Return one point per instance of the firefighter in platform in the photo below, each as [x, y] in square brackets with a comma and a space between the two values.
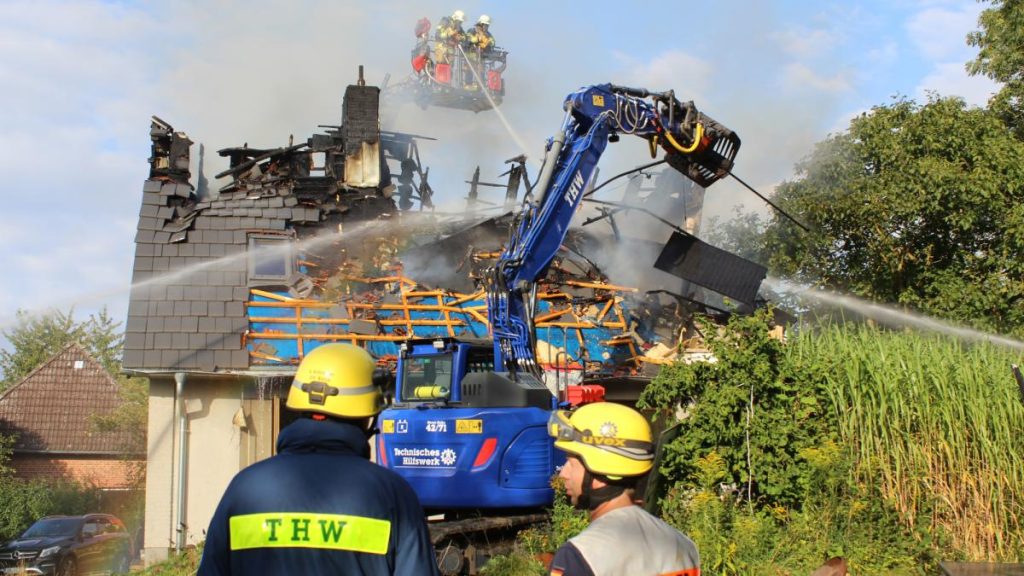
[449, 38]
[421, 53]
[480, 43]
[609, 449]
[320, 506]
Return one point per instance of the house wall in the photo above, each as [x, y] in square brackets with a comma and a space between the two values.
[213, 448]
[105, 473]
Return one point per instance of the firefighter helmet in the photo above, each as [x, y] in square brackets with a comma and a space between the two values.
[458, 16]
[610, 439]
[484, 20]
[336, 380]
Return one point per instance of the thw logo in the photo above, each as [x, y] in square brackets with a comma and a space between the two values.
[575, 188]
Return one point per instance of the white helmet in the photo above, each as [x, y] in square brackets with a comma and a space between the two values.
[484, 19]
[458, 16]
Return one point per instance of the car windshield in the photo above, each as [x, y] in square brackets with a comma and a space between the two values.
[53, 527]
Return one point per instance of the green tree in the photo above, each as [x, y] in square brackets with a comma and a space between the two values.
[914, 204]
[754, 407]
[6, 451]
[742, 234]
[131, 417]
[36, 338]
[1000, 45]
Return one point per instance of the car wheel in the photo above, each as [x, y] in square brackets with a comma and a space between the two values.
[67, 567]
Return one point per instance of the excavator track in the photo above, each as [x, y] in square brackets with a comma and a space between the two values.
[464, 545]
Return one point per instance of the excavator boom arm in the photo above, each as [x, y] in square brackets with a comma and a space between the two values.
[695, 144]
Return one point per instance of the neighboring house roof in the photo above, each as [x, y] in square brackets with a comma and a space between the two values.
[51, 409]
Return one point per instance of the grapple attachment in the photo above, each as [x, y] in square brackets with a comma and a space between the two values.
[713, 156]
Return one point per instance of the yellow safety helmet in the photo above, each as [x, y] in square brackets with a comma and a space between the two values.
[610, 439]
[458, 16]
[336, 380]
[484, 20]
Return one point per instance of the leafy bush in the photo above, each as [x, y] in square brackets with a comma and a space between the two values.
[22, 502]
[755, 406]
[891, 449]
[535, 546]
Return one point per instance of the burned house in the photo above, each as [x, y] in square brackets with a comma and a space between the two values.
[333, 239]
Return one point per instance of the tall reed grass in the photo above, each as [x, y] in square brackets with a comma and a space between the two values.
[936, 426]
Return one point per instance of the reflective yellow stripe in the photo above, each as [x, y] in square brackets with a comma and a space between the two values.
[308, 530]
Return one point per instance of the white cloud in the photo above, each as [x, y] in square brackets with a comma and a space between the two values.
[885, 55]
[800, 75]
[939, 33]
[805, 43]
[950, 79]
[672, 69]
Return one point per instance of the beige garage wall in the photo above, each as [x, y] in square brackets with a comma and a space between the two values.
[213, 457]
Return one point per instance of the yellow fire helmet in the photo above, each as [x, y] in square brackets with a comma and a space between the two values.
[336, 380]
[611, 439]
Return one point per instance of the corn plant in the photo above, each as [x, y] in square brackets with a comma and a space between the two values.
[936, 426]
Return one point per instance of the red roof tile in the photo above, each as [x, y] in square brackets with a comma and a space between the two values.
[51, 409]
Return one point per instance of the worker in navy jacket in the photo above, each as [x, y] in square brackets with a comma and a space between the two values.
[320, 506]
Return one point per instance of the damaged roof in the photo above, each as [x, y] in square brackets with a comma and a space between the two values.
[291, 255]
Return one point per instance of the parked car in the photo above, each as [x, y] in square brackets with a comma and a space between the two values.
[69, 546]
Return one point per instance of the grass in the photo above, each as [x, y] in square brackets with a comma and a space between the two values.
[936, 426]
[184, 564]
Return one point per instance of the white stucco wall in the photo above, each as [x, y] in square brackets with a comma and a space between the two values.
[213, 458]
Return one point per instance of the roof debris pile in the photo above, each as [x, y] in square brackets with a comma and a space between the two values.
[336, 239]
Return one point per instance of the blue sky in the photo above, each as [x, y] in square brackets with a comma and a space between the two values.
[81, 80]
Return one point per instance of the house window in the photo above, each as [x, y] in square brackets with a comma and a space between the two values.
[270, 259]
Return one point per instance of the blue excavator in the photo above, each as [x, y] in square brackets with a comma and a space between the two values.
[468, 425]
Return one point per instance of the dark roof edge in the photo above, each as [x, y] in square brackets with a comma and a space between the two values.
[149, 372]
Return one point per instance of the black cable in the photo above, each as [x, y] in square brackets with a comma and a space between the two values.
[626, 173]
[770, 203]
[622, 206]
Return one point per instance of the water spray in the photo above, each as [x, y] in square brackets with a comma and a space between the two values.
[889, 315]
[508, 126]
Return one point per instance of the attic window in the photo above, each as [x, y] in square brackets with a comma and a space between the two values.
[79, 364]
[270, 258]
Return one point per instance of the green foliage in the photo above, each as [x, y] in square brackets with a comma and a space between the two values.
[541, 542]
[566, 522]
[934, 428]
[914, 204]
[907, 453]
[514, 565]
[742, 234]
[753, 407]
[22, 502]
[1001, 57]
[184, 564]
[130, 416]
[6, 451]
[37, 338]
